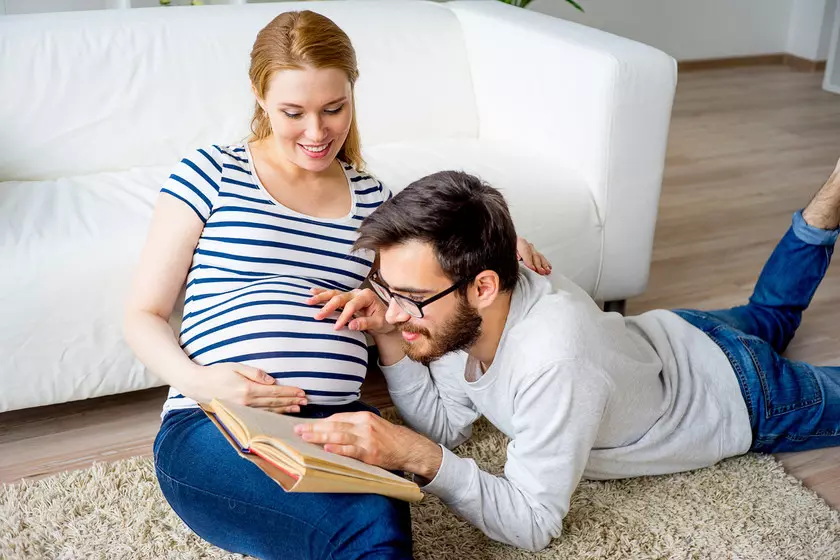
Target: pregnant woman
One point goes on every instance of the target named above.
(253, 229)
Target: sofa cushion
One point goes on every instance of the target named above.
(148, 85)
(552, 207)
(69, 248)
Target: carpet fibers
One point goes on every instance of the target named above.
(743, 508)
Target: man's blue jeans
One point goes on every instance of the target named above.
(793, 406)
(232, 504)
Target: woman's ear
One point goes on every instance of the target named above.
(257, 97)
(487, 288)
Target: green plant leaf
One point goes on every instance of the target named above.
(524, 3)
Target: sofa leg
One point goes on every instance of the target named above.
(618, 305)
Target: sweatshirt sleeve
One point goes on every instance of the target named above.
(556, 418)
(430, 399)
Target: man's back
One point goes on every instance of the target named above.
(674, 402)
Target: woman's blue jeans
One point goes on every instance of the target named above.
(793, 406)
(232, 504)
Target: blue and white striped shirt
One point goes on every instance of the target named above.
(253, 269)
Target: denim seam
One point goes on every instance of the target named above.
(772, 410)
(161, 471)
(736, 366)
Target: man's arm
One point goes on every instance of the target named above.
(429, 399)
(556, 420)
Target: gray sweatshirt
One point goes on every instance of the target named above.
(580, 393)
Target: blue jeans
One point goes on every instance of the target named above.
(793, 406)
(232, 504)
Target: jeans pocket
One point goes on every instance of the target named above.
(787, 385)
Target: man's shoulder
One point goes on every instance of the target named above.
(555, 327)
(450, 363)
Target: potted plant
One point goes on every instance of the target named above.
(523, 3)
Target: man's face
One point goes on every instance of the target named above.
(448, 324)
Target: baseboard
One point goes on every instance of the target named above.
(804, 64)
(779, 59)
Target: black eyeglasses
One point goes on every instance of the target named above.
(410, 306)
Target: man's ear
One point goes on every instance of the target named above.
(487, 288)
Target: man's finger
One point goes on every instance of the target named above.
(349, 311)
(360, 302)
(339, 438)
(322, 296)
(335, 303)
(346, 450)
(365, 324)
(323, 427)
(349, 417)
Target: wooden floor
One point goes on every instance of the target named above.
(747, 148)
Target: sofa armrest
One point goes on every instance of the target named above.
(591, 101)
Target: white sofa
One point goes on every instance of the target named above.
(570, 122)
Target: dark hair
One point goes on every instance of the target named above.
(466, 221)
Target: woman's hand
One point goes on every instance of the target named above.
(362, 310)
(247, 386)
(532, 258)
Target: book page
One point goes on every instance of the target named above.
(280, 429)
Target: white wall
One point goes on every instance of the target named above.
(830, 22)
(809, 31)
(699, 29)
(687, 29)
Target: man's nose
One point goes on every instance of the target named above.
(395, 313)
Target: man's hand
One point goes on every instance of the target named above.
(373, 440)
(362, 309)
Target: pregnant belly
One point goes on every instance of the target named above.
(283, 339)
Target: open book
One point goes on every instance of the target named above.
(268, 440)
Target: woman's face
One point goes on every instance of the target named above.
(310, 112)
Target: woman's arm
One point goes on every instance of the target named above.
(164, 263)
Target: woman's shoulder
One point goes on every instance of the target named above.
(228, 153)
(216, 157)
(365, 184)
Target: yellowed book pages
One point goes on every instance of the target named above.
(302, 469)
(317, 482)
(277, 430)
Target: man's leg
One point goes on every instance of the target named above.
(792, 274)
(796, 405)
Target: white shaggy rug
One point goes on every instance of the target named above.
(743, 508)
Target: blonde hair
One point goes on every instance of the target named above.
(293, 41)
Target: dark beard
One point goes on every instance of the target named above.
(461, 332)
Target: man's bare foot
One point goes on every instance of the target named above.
(823, 211)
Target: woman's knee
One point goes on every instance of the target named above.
(378, 525)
